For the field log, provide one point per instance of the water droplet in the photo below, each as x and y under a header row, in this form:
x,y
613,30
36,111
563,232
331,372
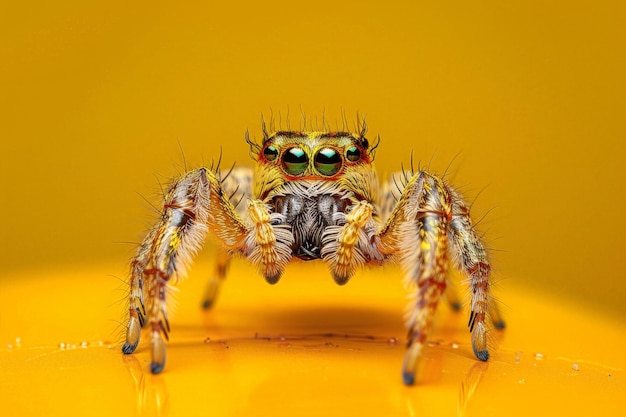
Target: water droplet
x,y
61,345
539,356
10,346
84,344
207,340
454,345
18,341
575,367
392,341
522,381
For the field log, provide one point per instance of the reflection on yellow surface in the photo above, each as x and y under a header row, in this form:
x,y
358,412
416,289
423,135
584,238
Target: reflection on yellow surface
x,y
302,347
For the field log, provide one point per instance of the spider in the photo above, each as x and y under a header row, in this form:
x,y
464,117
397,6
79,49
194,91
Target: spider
x,y
314,195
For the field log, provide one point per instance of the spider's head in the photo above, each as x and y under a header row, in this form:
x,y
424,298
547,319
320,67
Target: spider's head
x,y
314,155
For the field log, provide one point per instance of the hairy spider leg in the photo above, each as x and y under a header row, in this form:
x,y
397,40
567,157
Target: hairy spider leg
x,y
194,204
236,183
391,191
470,256
421,219
426,268
222,262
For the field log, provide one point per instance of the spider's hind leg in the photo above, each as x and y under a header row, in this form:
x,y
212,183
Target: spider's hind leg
x,y
222,261
470,257
236,184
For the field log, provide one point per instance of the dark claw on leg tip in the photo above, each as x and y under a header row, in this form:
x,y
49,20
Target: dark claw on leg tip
x,y
206,304
128,348
408,378
456,306
499,324
483,355
156,367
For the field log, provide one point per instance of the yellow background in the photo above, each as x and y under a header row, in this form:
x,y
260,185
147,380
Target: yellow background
x,y
95,100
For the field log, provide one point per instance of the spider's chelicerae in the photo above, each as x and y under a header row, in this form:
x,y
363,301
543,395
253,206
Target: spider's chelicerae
x,y
314,195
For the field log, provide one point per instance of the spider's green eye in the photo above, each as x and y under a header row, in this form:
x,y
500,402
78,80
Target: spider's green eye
x,y
353,154
270,153
295,161
327,161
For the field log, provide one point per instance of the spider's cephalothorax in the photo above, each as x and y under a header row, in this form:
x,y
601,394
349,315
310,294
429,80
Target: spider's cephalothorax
x,y
314,195
310,182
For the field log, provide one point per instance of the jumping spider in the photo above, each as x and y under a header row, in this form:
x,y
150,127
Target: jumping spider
x,y
314,195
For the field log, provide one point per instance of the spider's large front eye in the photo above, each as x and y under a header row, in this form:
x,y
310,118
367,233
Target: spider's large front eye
x,y
327,161
270,153
295,161
353,154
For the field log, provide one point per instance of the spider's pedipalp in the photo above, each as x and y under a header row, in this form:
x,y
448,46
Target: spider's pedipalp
x,y
340,243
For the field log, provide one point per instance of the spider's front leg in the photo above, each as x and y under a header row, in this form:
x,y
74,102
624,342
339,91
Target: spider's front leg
x,y
429,222
193,204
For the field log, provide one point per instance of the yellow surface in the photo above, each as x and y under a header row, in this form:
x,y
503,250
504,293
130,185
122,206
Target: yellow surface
x,y
96,97
302,347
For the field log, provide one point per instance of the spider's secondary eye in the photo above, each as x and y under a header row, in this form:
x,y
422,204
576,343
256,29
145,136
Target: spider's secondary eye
x,y
295,161
327,161
353,154
270,153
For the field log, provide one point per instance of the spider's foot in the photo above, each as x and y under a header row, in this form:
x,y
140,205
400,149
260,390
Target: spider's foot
x,y
133,332
496,317
158,353
408,378
479,342
456,306
499,324
156,367
409,367
210,294
128,348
